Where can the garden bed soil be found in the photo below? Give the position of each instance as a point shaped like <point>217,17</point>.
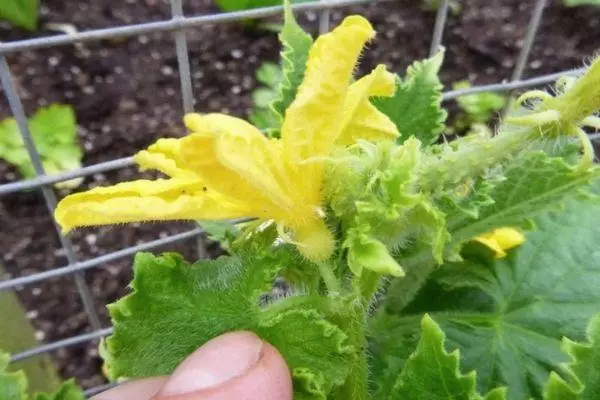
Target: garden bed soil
<point>126,94</point>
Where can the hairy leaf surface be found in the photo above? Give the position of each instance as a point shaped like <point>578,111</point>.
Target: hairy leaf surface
<point>176,307</point>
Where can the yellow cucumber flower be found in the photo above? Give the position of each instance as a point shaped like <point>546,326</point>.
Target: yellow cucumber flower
<point>501,239</point>
<point>226,168</point>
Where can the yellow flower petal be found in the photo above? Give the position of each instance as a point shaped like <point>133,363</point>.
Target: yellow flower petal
<point>508,238</point>
<point>164,156</point>
<point>361,119</point>
<point>237,160</point>
<point>501,239</point>
<point>312,121</point>
<point>143,200</point>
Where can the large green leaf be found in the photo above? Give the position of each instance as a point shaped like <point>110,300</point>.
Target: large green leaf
<point>176,307</point>
<point>507,317</point>
<point>583,371</point>
<point>23,13</point>
<point>432,373</point>
<point>531,184</point>
<point>416,106</point>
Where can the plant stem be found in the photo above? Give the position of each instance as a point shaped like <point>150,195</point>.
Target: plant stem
<point>355,387</point>
<point>331,281</point>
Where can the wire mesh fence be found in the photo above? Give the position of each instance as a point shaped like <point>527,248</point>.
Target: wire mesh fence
<point>178,25</point>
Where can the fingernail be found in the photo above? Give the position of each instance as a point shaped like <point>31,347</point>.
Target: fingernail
<point>218,361</point>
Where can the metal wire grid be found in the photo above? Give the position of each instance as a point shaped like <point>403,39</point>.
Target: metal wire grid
<point>178,25</point>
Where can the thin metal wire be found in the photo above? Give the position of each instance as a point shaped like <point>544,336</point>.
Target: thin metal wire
<point>530,34</point>
<point>185,79</point>
<point>49,196</point>
<point>168,25</point>
<point>97,261</point>
<point>65,176</point>
<point>72,341</point>
<point>438,30</point>
<point>507,86</point>
<point>183,60</point>
<point>532,28</point>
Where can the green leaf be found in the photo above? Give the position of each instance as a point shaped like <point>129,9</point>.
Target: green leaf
<point>296,44</point>
<point>176,307</point>
<point>416,106</point>
<point>13,385</point>
<point>508,316</point>
<point>530,185</point>
<point>67,391</point>
<point>235,5</point>
<point>572,3</point>
<point>23,13</point>
<point>269,74</point>
<point>432,373</point>
<point>479,106</point>
<point>10,134</point>
<point>219,231</point>
<point>53,125</point>
<point>263,97</point>
<point>583,370</point>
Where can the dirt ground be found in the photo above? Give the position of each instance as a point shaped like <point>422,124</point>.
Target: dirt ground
<point>126,95</point>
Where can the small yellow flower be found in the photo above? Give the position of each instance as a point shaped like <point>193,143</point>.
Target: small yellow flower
<point>226,168</point>
<point>501,239</point>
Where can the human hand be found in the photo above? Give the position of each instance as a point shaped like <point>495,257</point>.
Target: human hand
<point>233,366</point>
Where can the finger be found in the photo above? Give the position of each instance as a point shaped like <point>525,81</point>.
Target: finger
<point>142,389</point>
<point>237,365</point>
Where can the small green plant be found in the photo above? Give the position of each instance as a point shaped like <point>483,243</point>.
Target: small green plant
<point>269,75</point>
<point>416,269</point>
<point>476,110</point>
<point>13,386</point>
<point>54,133</point>
<point>22,13</point>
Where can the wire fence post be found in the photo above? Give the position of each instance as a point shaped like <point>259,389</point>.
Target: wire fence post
<point>324,19</point>
<point>185,79</point>
<point>48,193</point>
<point>523,57</point>
<point>440,25</point>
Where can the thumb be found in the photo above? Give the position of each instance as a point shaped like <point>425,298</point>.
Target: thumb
<point>236,365</point>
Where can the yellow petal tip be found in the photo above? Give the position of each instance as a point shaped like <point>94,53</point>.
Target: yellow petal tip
<point>356,21</point>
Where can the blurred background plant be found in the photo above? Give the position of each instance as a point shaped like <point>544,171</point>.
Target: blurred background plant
<point>573,3</point>
<point>54,132</point>
<point>476,111</point>
<point>269,75</point>
<point>21,13</point>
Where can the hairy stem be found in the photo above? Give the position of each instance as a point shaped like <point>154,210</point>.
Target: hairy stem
<point>331,281</point>
<point>356,387</point>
